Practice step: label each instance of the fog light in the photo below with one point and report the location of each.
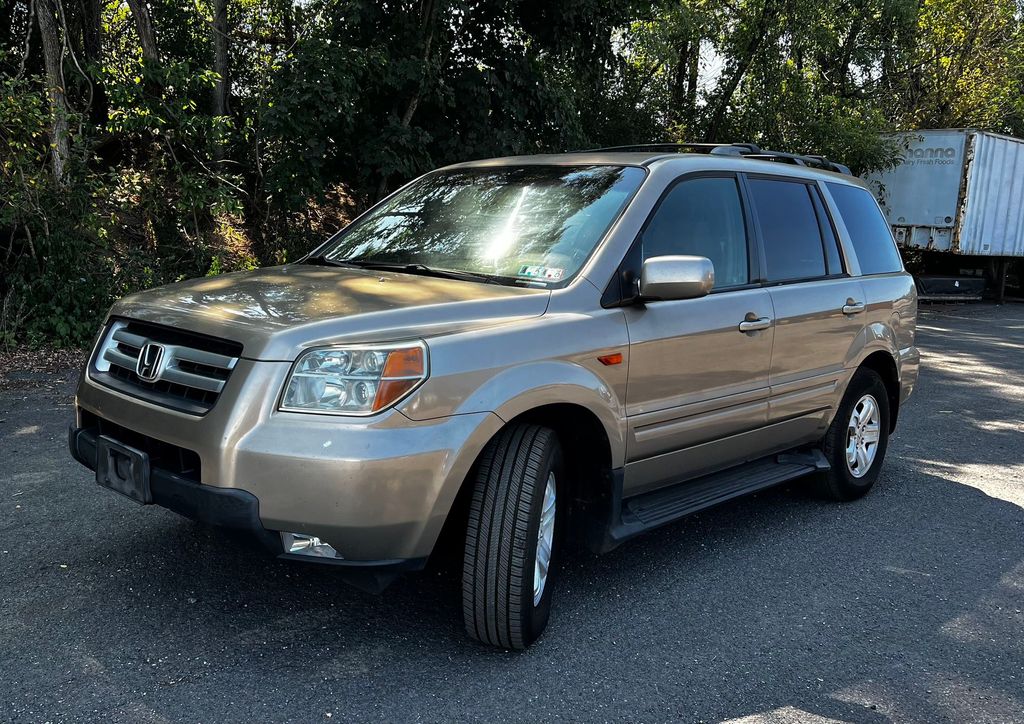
(307, 545)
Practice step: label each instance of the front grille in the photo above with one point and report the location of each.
(163, 455)
(181, 370)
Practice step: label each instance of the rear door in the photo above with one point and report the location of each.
(819, 307)
(698, 385)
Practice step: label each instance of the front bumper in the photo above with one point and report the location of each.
(376, 489)
(238, 510)
(224, 507)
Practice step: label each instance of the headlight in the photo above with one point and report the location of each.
(355, 380)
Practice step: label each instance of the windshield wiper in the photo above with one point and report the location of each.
(327, 261)
(421, 269)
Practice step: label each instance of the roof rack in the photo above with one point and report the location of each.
(746, 150)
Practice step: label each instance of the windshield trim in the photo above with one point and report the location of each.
(514, 281)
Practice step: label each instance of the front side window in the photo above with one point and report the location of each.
(789, 227)
(523, 225)
(703, 217)
(869, 233)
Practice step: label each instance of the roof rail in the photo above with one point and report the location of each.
(731, 149)
(746, 150)
(801, 160)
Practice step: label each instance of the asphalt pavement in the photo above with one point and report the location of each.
(904, 606)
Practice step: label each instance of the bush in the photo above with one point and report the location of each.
(76, 244)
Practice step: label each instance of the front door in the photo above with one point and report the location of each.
(698, 385)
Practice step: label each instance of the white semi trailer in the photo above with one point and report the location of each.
(958, 191)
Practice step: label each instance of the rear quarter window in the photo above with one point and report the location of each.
(870, 234)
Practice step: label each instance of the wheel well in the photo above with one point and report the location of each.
(885, 366)
(588, 464)
(588, 460)
(579, 430)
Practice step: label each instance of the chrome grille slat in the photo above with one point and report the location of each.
(202, 357)
(187, 378)
(116, 357)
(133, 340)
(181, 377)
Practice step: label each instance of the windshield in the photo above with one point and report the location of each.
(526, 225)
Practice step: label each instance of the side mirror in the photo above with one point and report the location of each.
(664, 278)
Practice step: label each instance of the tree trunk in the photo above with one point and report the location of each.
(61, 147)
(684, 84)
(726, 94)
(144, 27)
(677, 90)
(222, 87)
(691, 82)
(842, 64)
(428, 23)
(757, 32)
(92, 44)
(289, 25)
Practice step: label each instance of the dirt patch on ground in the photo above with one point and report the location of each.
(38, 367)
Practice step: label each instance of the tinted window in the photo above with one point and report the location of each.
(792, 237)
(703, 217)
(869, 233)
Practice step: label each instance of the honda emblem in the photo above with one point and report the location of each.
(150, 364)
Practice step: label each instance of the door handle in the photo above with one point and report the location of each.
(753, 325)
(852, 307)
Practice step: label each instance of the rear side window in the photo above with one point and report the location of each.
(703, 217)
(790, 229)
(869, 233)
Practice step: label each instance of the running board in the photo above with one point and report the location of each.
(665, 505)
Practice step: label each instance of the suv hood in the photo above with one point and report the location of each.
(277, 311)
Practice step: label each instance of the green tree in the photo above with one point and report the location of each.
(144, 141)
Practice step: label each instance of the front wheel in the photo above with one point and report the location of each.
(511, 537)
(856, 441)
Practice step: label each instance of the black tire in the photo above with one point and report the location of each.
(501, 537)
(840, 483)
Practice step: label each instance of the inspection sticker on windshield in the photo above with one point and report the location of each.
(549, 273)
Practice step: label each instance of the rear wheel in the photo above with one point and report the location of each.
(511, 537)
(856, 441)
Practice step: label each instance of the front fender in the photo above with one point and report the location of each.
(510, 391)
(526, 365)
(521, 389)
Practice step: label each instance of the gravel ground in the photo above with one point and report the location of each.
(904, 606)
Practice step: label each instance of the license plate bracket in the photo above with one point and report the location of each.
(123, 469)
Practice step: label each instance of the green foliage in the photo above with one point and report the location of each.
(50, 267)
(332, 103)
(73, 246)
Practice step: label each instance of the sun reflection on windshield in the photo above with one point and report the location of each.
(507, 236)
(520, 225)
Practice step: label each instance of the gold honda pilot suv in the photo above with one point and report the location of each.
(525, 353)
